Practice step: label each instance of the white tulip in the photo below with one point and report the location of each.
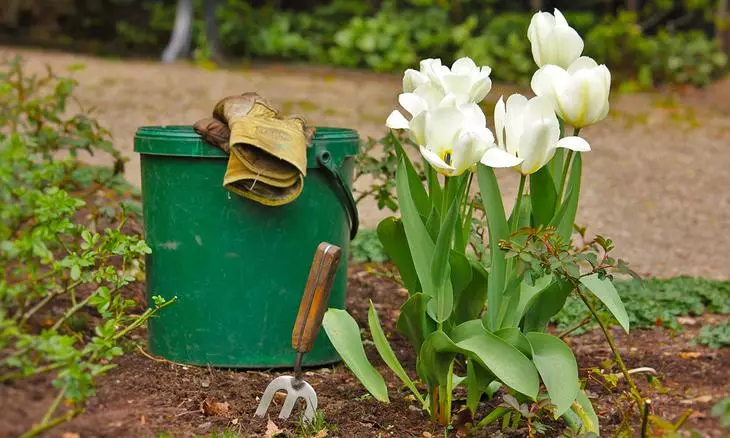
(553, 41)
(579, 94)
(528, 134)
(467, 82)
(452, 138)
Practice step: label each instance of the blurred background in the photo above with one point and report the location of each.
(644, 42)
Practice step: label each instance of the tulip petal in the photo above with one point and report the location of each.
(574, 143)
(436, 161)
(396, 120)
(499, 119)
(418, 129)
(443, 125)
(515, 110)
(582, 63)
(464, 66)
(497, 157)
(412, 103)
(568, 44)
(413, 79)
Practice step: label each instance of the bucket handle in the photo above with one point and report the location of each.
(324, 158)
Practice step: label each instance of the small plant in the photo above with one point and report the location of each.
(66, 252)
(366, 247)
(318, 427)
(715, 336)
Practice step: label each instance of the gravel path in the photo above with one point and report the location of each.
(657, 180)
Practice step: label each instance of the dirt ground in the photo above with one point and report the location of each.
(145, 398)
(656, 180)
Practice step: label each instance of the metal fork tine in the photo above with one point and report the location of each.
(280, 383)
(291, 399)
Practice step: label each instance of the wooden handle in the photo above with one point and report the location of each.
(316, 296)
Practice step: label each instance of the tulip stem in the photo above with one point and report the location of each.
(518, 204)
(566, 166)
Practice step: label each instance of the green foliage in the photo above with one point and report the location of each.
(721, 410)
(366, 247)
(65, 254)
(658, 302)
(715, 336)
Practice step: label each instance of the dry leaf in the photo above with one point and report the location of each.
(272, 429)
(142, 420)
(70, 435)
(321, 434)
(218, 409)
(427, 435)
(700, 399)
(690, 354)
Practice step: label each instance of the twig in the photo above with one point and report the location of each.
(634, 390)
(574, 327)
(157, 359)
(78, 306)
(645, 418)
(641, 370)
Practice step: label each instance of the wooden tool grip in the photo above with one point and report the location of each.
(316, 296)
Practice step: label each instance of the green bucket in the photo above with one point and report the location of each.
(238, 268)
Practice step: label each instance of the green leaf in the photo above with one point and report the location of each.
(434, 187)
(435, 358)
(506, 362)
(498, 230)
(442, 304)
(419, 242)
(386, 353)
(393, 238)
(564, 219)
(478, 380)
(413, 322)
(343, 332)
(545, 305)
(556, 364)
(417, 191)
(514, 336)
(556, 166)
(584, 409)
(604, 289)
(543, 197)
(528, 293)
(468, 303)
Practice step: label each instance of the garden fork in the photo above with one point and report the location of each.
(306, 327)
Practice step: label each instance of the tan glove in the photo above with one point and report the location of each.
(268, 154)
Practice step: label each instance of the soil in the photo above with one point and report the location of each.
(146, 397)
(654, 181)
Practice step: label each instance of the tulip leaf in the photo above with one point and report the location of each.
(604, 289)
(386, 352)
(435, 358)
(419, 241)
(528, 293)
(556, 167)
(543, 197)
(514, 336)
(546, 304)
(393, 238)
(565, 217)
(442, 304)
(434, 187)
(478, 380)
(584, 409)
(468, 303)
(503, 360)
(506, 362)
(498, 230)
(417, 191)
(558, 369)
(344, 334)
(432, 223)
(413, 322)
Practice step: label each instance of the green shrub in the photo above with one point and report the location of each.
(715, 336)
(67, 253)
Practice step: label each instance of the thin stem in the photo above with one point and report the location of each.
(142, 318)
(77, 307)
(518, 204)
(37, 430)
(645, 418)
(54, 406)
(566, 166)
(26, 316)
(634, 390)
(574, 327)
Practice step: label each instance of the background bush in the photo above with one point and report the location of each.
(655, 41)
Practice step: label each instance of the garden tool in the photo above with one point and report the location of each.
(267, 154)
(306, 327)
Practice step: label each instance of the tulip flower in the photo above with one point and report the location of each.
(579, 95)
(452, 138)
(467, 82)
(528, 134)
(553, 41)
